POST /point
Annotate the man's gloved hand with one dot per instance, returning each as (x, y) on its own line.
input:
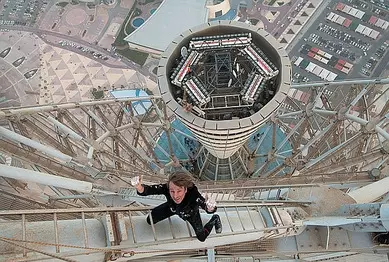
(211, 204)
(136, 181)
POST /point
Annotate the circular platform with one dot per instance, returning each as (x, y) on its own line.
(224, 79)
(76, 16)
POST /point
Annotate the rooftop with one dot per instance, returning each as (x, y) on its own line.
(170, 19)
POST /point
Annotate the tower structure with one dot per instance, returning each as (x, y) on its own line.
(339, 143)
(223, 80)
(324, 193)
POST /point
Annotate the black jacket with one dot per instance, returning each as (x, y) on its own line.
(189, 205)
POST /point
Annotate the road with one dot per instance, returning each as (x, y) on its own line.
(284, 21)
(284, 11)
(316, 16)
(382, 65)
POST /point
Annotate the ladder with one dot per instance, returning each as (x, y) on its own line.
(248, 194)
(101, 231)
(301, 194)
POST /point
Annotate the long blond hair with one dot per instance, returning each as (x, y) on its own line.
(181, 179)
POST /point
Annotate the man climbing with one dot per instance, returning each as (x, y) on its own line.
(184, 200)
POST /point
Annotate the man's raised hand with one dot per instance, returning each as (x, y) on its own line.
(136, 182)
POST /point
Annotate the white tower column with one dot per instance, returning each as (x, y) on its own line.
(224, 93)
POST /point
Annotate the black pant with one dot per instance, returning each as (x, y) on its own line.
(163, 211)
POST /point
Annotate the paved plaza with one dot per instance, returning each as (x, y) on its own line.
(56, 75)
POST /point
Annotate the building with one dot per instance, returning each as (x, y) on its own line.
(172, 18)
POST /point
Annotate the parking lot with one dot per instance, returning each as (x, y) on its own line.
(21, 12)
(349, 39)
